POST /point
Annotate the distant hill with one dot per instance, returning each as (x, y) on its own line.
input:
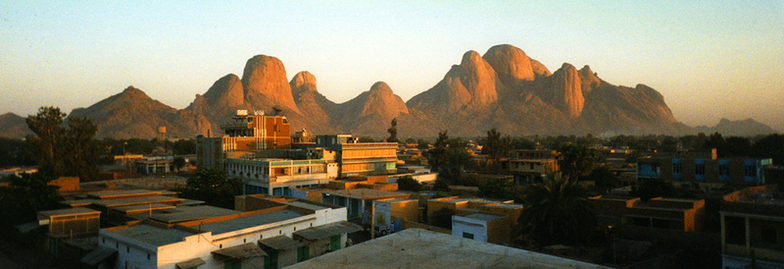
(503, 89)
(13, 126)
(736, 128)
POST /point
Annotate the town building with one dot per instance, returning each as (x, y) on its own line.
(282, 233)
(752, 228)
(703, 168)
(663, 213)
(531, 166)
(258, 150)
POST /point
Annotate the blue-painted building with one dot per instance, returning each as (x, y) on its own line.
(744, 171)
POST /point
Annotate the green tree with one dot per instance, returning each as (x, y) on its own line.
(496, 146)
(770, 146)
(392, 131)
(497, 188)
(603, 177)
(25, 195)
(47, 143)
(82, 153)
(408, 183)
(737, 147)
(62, 151)
(576, 160)
(213, 187)
(437, 156)
(179, 163)
(651, 188)
(557, 212)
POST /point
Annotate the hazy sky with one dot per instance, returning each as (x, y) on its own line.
(710, 59)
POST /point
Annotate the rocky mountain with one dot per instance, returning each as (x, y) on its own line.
(504, 89)
(371, 112)
(13, 126)
(132, 113)
(736, 128)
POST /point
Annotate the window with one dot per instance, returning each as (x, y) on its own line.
(127, 249)
(468, 235)
(303, 253)
(334, 242)
(148, 256)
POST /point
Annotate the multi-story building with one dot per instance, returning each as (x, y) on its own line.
(258, 150)
(531, 166)
(752, 228)
(356, 158)
(707, 168)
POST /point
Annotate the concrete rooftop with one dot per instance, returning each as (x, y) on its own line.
(153, 235)
(417, 248)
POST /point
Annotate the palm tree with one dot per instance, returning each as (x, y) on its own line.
(557, 212)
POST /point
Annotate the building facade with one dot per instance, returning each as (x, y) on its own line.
(741, 171)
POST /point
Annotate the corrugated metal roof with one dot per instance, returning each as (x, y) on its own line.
(326, 231)
(244, 251)
(281, 242)
(192, 263)
(98, 255)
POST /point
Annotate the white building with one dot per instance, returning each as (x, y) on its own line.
(280, 235)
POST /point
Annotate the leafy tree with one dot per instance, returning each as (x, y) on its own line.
(62, 151)
(442, 218)
(576, 160)
(25, 195)
(408, 183)
(437, 157)
(441, 184)
(411, 140)
(669, 145)
(184, 146)
(392, 131)
(651, 188)
(496, 146)
(558, 212)
(603, 177)
(14, 152)
(179, 163)
(522, 143)
(497, 188)
(770, 146)
(82, 153)
(213, 187)
(46, 144)
(737, 147)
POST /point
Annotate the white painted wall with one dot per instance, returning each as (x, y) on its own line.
(202, 245)
(473, 226)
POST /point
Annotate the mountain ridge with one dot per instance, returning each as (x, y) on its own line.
(504, 89)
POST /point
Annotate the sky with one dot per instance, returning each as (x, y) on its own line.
(709, 59)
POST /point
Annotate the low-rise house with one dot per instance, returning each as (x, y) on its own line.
(752, 228)
(253, 239)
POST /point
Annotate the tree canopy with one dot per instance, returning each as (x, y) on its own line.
(213, 187)
(61, 151)
(576, 160)
(558, 212)
(25, 195)
(392, 131)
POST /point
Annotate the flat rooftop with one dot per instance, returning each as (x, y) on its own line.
(153, 235)
(137, 201)
(484, 216)
(306, 205)
(189, 213)
(248, 222)
(417, 248)
(67, 211)
(366, 193)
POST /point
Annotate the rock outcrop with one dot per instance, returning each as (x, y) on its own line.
(504, 89)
